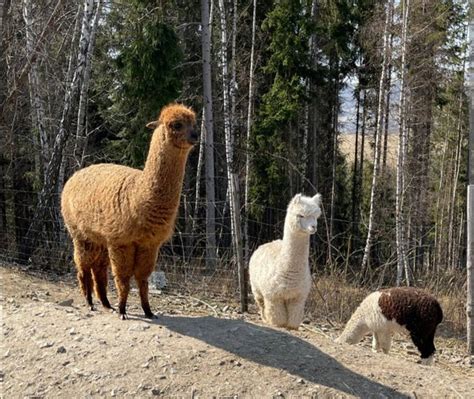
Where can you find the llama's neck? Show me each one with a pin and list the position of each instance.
(162, 177)
(296, 247)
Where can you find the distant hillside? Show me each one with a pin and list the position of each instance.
(347, 146)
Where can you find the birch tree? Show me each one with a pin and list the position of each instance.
(402, 262)
(378, 137)
(209, 147)
(48, 192)
(81, 134)
(470, 197)
(249, 130)
(36, 102)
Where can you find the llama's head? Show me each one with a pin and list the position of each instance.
(179, 124)
(303, 213)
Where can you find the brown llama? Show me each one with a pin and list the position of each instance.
(120, 216)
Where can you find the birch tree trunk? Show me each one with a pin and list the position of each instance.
(209, 147)
(378, 137)
(470, 198)
(249, 130)
(81, 135)
(38, 113)
(228, 134)
(402, 264)
(48, 193)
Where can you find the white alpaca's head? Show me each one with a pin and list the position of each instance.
(303, 213)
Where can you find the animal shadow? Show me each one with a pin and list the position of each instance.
(277, 349)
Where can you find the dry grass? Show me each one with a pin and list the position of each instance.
(334, 301)
(347, 146)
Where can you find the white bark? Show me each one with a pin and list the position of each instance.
(209, 147)
(402, 264)
(470, 198)
(228, 134)
(249, 130)
(378, 137)
(51, 181)
(38, 114)
(81, 136)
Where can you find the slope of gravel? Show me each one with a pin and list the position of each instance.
(53, 347)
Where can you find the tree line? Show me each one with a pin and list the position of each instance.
(270, 81)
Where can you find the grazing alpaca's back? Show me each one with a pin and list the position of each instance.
(121, 216)
(404, 310)
(279, 270)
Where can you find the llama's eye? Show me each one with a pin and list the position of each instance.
(300, 216)
(177, 125)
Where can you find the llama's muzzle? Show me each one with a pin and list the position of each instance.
(193, 137)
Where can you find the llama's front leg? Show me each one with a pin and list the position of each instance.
(425, 344)
(275, 312)
(145, 261)
(295, 308)
(122, 261)
(376, 347)
(384, 340)
(260, 304)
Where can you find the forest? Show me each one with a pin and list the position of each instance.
(278, 87)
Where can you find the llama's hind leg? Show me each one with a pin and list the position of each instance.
(295, 308)
(145, 261)
(99, 273)
(83, 258)
(122, 262)
(275, 313)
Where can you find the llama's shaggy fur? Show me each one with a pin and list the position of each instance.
(404, 310)
(121, 216)
(279, 270)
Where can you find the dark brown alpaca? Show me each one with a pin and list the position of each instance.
(120, 216)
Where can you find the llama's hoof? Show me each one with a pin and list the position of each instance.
(428, 361)
(110, 309)
(150, 315)
(91, 307)
(123, 316)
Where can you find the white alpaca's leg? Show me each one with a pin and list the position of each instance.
(260, 304)
(295, 310)
(275, 313)
(375, 343)
(385, 341)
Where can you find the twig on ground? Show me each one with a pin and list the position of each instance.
(200, 301)
(316, 331)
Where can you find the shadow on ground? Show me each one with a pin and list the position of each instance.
(277, 349)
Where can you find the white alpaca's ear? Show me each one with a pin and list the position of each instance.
(152, 125)
(317, 199)
(296, 199)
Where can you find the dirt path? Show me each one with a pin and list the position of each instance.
(52, 348)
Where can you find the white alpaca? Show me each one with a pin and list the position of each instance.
(279, 270)
(405, 310)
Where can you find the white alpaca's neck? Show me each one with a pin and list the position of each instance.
(296, 248)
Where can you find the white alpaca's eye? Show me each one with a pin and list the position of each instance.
(300, 216)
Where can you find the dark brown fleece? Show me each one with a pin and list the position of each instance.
(416, 310)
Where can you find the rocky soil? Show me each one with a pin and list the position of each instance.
(54, 347)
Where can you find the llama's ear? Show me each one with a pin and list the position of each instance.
(317, 199)
(152, 125)
(296, 199)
